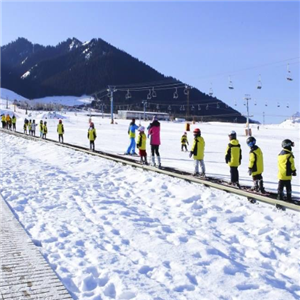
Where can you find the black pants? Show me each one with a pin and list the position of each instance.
(154, 149)
(234, 174)
(61, 137)
(14, 126)
(92, 145)
(184, 146)
(284, 184)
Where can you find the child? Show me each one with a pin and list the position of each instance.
(92, 136)
(233, 158)
(33, 126)
(198, 152)
(45, 130)
(41, 128)
(29, 128)
(25, 126)
(131, 131)
(141, 145)
(286, 169)
(184, 142)
(14, 120)
(154, 134)
(60, 131)
(256, 165)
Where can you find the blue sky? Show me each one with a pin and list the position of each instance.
(201, 43)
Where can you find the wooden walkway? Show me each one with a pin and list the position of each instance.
(24, 273)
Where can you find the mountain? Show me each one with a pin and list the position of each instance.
(76, 68)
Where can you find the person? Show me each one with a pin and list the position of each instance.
(45, 130)
(92, 136)
(14, 121)
(154, 134)
(8, 121)
(25, 126)
(33, 127)
(3, 120)
(41, 128)
(60, 131)
(141, 145)
(198, 152)
(131, 131)
(256, 165)
(184, 142)
(233, 158)
(286, 169)
(29, 127)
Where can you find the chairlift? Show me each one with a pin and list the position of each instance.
(128, 95)
(235, 104)
(175, 95)
(289, 75)
(169, 107)
(259, 84)
(266, 104)
(230, 85)
(199, 107)
(153, 93)
(278, 104)
(157, 106)
(287, 106)
(255, 103)
(192, 108)
(207, 107)
(186, 90)
(210, 91)
(218, 106)
(149, 95)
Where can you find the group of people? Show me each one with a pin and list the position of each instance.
(153, 134)
(233, 154)
(9, 122)
(286, 165)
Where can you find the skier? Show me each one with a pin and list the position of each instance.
(154, 134)
(233, 158)
(184, 142)
(92, 136)
(3, 120)
(256, 165)
(25, 126)
(41, 128)
(45, 130)
(131, 131)
(29, 127)
(286, 169)
(141, 145)
(60, 131)
(14, 121)
(198, 152)
(33, 126)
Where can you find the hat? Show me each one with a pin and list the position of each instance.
(141, 128)
(232, 133)
(184, 133)
(154, 118)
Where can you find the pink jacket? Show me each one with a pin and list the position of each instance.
(154, 132)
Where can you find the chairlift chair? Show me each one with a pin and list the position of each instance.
(199, 107)
(149, 95)
(230, 85)
(287, 106)
(153, 93)
(259, 84)
(207, 107)
(289, 75)
(175, 95)
(210, 91)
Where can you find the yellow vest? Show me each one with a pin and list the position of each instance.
(233, 154)
(286, 165)
(141, 141)
(256, 162)
(198, 148)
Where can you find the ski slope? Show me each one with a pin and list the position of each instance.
(114, 232)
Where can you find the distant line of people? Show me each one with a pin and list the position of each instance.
(9, 122)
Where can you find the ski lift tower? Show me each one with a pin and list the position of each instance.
(111, 90)
(247, 98)
(6, 102)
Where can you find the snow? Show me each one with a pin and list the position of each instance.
(114, 232)
(85, 43)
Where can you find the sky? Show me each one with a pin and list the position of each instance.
(200, 43)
